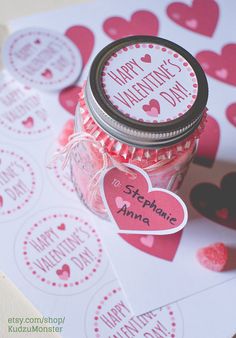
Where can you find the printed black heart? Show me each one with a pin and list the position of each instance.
(217, 203)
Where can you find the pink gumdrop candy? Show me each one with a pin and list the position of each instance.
(67, 130)
(213, 257)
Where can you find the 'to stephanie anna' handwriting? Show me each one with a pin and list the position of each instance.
(144, 203)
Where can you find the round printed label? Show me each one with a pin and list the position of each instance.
(149, 82)
(108, 315)
(60, 252)
(20, 184)
(22, 112)
(42, 58)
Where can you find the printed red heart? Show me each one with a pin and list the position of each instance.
(47, 74)
(153, 108)
(217, 203)
(231, 114)
(84, 39)
(61, 227)
(201, 17)
(220, 66)
(213, 257)
(141, 23)
(146, 58)
(1, 201)
(69, 98)
(144, 210)
(164, 247)
(208, 144)
(64, 272)
(67, 130)
(28, 123)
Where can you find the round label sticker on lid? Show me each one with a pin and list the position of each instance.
(42, 59)
(149, 82)
(146, 91)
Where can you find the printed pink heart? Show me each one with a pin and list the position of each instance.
(147, 240)
(69, 97)
(231, 114)
(201, 17)
(150, 211)
(84, 39)
(192, 24)
(28, 123)
(205, 65)
(164, 247)
(64, 273)
(208, 143)
(37, 42)
(1, 201)
(146, 58)
(220, 66)
(47, 74)
(120, 202)
(61, 227)
(153, 112)
(141, 23)
(153, 108)
(222, 73)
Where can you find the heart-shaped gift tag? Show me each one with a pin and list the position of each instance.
(135, 207)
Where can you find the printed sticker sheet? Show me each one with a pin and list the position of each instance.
(52, 247)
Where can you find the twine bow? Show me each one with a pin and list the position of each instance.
(107, 160)
(73, 141)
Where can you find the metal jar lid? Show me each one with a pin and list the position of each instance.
(146, 91)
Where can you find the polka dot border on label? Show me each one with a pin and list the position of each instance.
(18, 131)
(44, 280)
(38, 34)
(114, 292)
(27, 132)
(63, 182)
(163, 49)
(33, 182)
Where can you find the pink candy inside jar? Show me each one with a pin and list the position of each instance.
(144, 103)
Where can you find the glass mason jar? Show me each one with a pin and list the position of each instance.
(144, 103)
